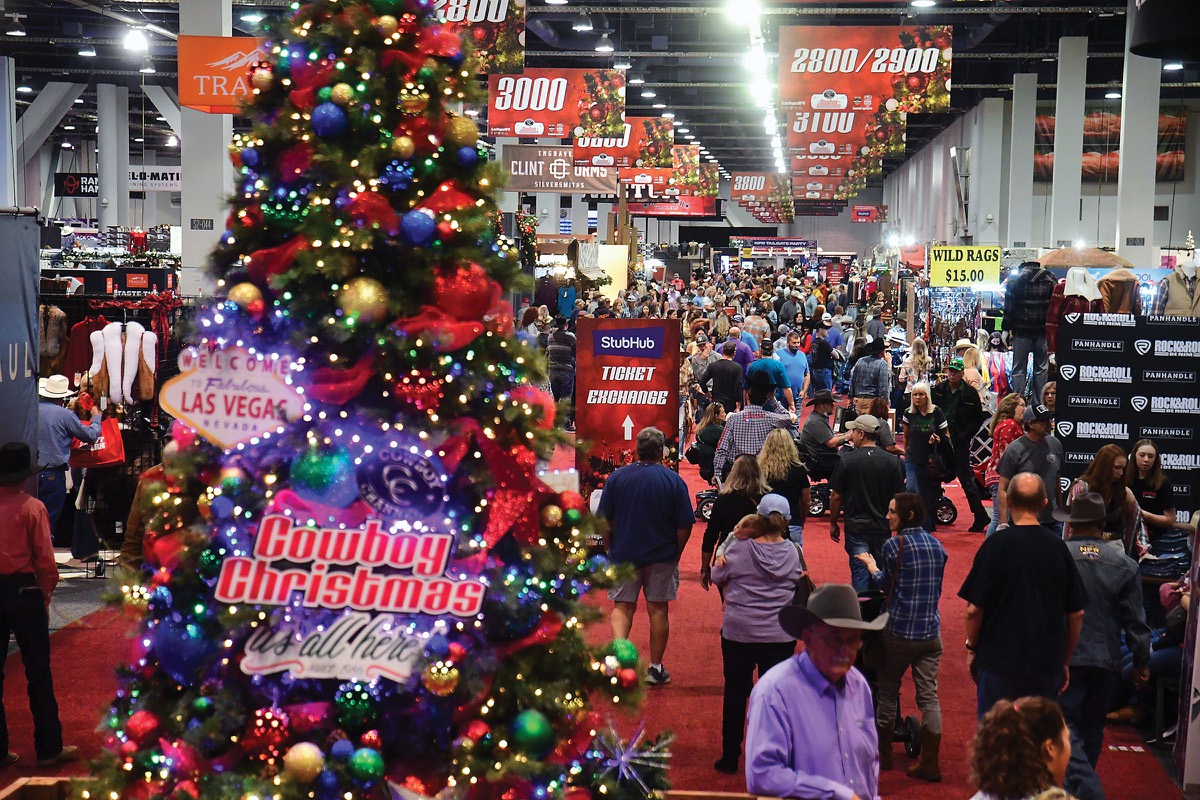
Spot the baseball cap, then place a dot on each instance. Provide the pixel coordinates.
(865, 423)
(956, 363)
(1038, 413)
(772, 503)
(701, 338)
(827, 317)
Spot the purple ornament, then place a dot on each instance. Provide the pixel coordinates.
(418, 227)
(250, 157)
(468, 156)
(329, 121)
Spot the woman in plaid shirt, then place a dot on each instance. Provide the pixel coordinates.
(913, 565)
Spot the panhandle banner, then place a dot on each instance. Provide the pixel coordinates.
(19, 331)
(626, 379)
(683, 206)
(645, 142)
(557, 103)
(1124, 378)
(214, 71)
(1102, 147)
(551, 168)
(495, 28)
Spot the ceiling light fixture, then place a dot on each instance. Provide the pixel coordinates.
(659, 105)
(172, 141)
(582, 23)
(1172, 66)
(24, 89)
(668, 115)
(923, 3)
(139, 140)
(648, 93)
(79, 101)
(1113, 95)
(623, 64)
(68, 127)
(14, 27)
(604, 45)
(136, 41)
(689, 137)
(68, 146)
(636, 80)
(684, 130)
(87, 51)
(252, 17)
(556, 2)
(147, 67)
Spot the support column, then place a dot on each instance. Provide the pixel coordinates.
(987, 136)
(507, 201)
(1068, 142)
(167, 103)
(9, 193)
(207, 171)
(42, 116)
(579, 216)
(1020, 160)
(112, 105)
(547, 211)
(1139, 150)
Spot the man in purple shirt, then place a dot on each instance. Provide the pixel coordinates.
(744, 356)
(811, 732)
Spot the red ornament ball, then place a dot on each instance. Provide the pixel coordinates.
(596, 113)
(141, 726)
(268, 732)
(127, 749)
(881, 134)
(916, 83)
(478, 34)
(942, 40)
(476, 730)
(465, 294)
(577, 793)
(628, 678)
(651, 150)
(571, 500)
(371, 739)
(618, 81)
(446, 231)
(457, 652)
(539, 400)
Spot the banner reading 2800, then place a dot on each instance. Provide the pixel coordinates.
(557, 103)
(495, 28)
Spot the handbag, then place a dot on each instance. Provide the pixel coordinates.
(106, 451)
(874, 647)
(805, 586)
(692, 454)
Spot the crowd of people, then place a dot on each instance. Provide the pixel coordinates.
(1058, 641)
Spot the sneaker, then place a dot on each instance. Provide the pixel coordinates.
(10, 759)
(68, 753)
(657, 676)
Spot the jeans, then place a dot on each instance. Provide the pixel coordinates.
(796, 534)
(1084, 704)
(898, 656)
(863, 543)
(822, 380)
(562, 386)
(739, 660)
(52, 490)
(995, 490)
(918, 481)
(1023, 348)
(23, 615)
(993, 686)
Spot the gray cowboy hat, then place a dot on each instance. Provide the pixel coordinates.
(835, 604)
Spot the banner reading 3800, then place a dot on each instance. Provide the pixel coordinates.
(557, 103)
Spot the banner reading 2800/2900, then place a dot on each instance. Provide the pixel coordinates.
(495, 28)
(557, 103)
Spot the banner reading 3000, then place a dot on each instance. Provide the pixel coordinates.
(557, 103)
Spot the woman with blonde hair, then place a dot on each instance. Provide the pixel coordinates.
(743, 488)
(786, 476)
(925, 428)
(916, 366)
(1007, 426)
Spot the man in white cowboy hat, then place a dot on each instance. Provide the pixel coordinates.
(57, 426)
(811, 731)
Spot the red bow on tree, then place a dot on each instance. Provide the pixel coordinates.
(447, 333)
(335, 386)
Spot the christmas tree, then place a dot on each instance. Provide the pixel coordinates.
(356, 585)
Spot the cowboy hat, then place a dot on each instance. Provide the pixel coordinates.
(835, 604)
(55, 387)
(876, 346)
(821, 396)
(896, 336)
(1085, 509)
(15, 463)
(962, 344)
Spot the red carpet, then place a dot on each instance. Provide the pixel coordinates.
(86, 652)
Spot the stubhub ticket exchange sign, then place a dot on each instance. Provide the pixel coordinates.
(626, 379)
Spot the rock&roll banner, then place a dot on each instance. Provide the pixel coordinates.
(557, 103)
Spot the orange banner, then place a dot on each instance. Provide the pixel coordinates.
(214, 71)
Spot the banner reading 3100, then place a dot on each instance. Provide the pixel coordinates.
(557, 103)
(964, 266)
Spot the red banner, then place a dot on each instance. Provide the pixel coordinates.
(747, 188)
(626, 379)
(1101, 147)
(557, 103)
(645, 142)
(684, 206)
(867, 214)
(647, 185)
(496, 29)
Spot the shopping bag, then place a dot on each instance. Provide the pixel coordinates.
(107, 450)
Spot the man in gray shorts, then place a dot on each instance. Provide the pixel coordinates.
(650, 520)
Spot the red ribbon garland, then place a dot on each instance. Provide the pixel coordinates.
(160, 307)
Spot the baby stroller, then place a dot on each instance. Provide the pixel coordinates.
(908, 728)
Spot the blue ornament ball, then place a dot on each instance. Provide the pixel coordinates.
(327, 782)
(468, 156)
(250, 157)
(438, 646)
(418, 227)
(456, 59)
(329, 121)
(182, 649)
(221, 507)
(342, 749)
(325, 475)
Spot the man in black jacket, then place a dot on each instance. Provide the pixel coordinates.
(724, 379)
(1026, 306)
(959, 401)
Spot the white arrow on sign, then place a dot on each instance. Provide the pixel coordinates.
(628, 426)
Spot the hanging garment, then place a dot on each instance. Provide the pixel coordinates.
(52, 346)
(1062, 304)
(1120, 291)
(1177, 295)
(79, 349)
(123, 363)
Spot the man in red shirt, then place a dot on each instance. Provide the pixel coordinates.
(28, 575)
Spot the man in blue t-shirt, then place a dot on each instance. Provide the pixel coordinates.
(650, 520)
(795, 366)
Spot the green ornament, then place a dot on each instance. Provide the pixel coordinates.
(387, 6)
(533, 734)
(325, 474)
(366, 764)
(424, 74)
(324, 94)
(355, 706)
(209, 566)
(573, 516)
(625, 652)
(202, 706)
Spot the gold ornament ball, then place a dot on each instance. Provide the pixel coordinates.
(387, 25)
(462, 132)
(414, 103)
(244, 294)
(262, 79)
(342, 94)
(552, 516)
(403, 147)
(304, 762)
(441, 681)
(365, 299)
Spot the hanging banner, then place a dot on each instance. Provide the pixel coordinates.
(19, 331)
(647, 185)
(868, 214)
(682, 206)
(557, 103)
(495, 28)
(760, 187)
(155, 179)
(964, 266)
(1102, 147)
(76, 184)
(645, 142)
(772, 246)
(626, 379)
(686, 161)
(551, 168)
(214, 71)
